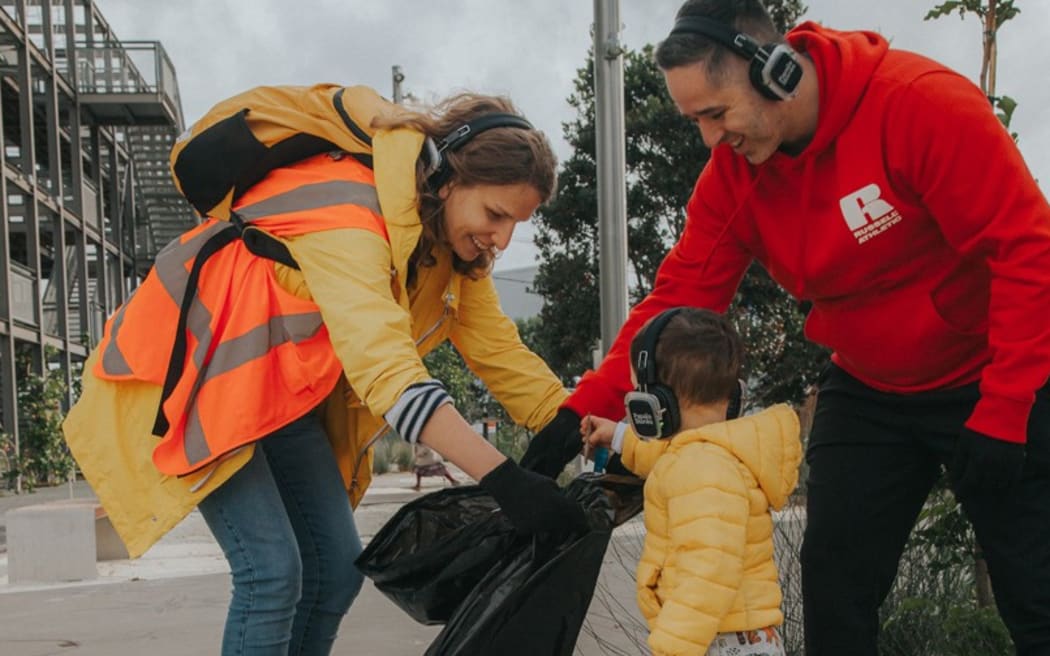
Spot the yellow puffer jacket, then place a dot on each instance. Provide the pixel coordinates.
(379, 329)
(707, 565)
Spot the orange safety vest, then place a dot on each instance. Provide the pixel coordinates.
(256, 356)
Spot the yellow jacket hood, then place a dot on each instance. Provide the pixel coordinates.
(767, 443)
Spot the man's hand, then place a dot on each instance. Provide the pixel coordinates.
(985, 463)
(555, 445)
(533, 503)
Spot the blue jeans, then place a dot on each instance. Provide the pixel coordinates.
(285, 524)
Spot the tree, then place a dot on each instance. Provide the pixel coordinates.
(664, 156)
(993, 13)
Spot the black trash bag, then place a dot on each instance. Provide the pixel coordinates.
(433, 552)
(452, 557)
(623, 491)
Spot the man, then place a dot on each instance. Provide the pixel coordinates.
(880, 187)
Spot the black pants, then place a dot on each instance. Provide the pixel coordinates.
(873, 458)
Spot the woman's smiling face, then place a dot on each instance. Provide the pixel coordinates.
(482, 218)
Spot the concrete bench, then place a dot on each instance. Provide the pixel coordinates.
(59, 541)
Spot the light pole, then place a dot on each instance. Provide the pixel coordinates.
(612, 165)
(398, 77)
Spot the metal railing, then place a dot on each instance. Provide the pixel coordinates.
(128, 67)
(23, 294)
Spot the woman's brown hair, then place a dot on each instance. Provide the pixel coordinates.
(500, 156)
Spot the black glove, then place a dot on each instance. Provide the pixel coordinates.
(533, 503)
(555, 445)
(985, 463)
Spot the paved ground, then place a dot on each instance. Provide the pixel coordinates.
(172, 601)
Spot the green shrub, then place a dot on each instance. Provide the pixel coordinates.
(44, 457)
(511, 440)
(402, 455)
(929, 628)
(381, 457)
(392, 452)
(933, 608)
(9, 465)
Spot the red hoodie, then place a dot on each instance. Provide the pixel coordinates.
(910, 221)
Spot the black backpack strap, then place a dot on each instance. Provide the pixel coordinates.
(177, 361)
(261, 243)
(337, 101)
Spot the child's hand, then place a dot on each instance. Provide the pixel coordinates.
(597, 432)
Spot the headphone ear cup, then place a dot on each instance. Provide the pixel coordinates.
(671, 419)
(775, 71)
(755, 73)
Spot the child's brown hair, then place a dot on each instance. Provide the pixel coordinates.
(698, 355)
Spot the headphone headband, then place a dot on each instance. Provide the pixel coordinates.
(645, 367)
(438, 171)
(774, 69)
(738, 42)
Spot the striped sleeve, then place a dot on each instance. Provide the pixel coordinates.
(412, 411)
(618, 437)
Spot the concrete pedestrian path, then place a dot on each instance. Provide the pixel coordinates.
(172, 600)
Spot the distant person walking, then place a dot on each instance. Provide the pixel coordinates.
(429, 463)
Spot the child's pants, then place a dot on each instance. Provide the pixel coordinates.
(763, 642)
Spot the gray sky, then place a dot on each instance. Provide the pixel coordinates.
(527, 49)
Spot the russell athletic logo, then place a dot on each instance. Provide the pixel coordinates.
(866, 214)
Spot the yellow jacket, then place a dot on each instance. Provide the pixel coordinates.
(379, 330)
(707, 565)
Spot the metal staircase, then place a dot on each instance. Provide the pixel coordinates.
(132, 85)
(163, 213)
(49, 303)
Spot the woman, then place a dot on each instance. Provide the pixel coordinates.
(290, 371)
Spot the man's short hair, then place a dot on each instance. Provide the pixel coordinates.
(698, 355)
(747, 16)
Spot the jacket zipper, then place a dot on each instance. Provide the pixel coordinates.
(448, 298)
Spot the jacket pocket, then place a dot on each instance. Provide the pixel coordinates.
(961, 300)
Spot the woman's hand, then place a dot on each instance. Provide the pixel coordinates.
(533, 503)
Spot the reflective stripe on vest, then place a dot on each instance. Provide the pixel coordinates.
(312, 197)
(244, 347)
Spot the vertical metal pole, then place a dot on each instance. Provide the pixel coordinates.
(398, 78)
(8, 379)
(612, 163)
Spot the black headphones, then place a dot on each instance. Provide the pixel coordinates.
(438, 171)
(775, 70)
(652, 407)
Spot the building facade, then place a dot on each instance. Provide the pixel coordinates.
(86, 201)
